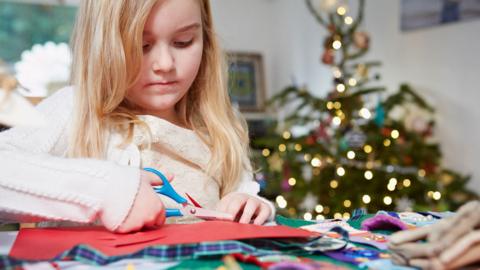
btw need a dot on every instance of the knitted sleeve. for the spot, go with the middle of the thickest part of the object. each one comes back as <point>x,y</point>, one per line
<point>38,183</point>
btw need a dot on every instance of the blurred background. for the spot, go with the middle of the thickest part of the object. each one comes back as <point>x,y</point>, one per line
<point>350,103</point>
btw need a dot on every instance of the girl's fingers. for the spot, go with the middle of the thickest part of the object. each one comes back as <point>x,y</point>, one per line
<point>263,214</point>
<point>235,206</point>
<point>250,208</point>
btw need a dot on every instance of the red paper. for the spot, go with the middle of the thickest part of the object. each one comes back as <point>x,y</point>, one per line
<point>46,243</point>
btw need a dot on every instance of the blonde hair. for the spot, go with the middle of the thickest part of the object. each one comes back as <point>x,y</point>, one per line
<point>107,55</point>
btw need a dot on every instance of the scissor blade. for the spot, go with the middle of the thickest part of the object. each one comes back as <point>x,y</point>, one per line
<point>206,214</point>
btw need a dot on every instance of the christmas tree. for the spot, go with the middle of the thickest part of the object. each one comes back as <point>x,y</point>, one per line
<point>336,153</point>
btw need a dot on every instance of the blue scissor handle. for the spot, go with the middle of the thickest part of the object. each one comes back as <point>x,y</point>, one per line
<point>172,212</point>
<point>167,190</point>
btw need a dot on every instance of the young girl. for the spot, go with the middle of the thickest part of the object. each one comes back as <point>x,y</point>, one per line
<point>148,91</point>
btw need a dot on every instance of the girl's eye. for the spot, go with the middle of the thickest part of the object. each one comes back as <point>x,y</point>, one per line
<point>146,47</point>
<point>183,44</point>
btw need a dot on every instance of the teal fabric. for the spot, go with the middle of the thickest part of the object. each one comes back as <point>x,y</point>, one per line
<point>290,222</point>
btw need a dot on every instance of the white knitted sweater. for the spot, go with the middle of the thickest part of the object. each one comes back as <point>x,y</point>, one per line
<point>38,182</point>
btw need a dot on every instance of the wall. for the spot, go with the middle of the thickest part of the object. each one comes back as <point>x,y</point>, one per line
<point>442,63</point>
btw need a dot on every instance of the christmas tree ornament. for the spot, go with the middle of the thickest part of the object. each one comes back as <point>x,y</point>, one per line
<point>362,71</point>
<point>379,115</point>
<point>355,138</point>
<point>275,162</point>
<point>328,56</point>
<point>286,187</point>
<point>325,6</point>
<point>361,40</point>
<point>397,113</point>
<point>307,173</point>
<point>309,202</point>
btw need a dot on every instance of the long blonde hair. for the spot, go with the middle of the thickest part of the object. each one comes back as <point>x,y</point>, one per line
<point>107,55</point>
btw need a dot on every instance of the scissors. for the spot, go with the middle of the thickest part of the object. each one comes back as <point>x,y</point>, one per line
<point>186,208</point>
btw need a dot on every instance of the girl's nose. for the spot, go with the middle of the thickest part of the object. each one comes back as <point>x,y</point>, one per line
<point>163,61</point>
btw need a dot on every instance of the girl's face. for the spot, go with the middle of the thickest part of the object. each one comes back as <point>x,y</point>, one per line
<point>172,53</point>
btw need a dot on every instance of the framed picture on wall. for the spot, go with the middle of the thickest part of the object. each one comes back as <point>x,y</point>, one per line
<point>426,13</point>
<point>246,82</point>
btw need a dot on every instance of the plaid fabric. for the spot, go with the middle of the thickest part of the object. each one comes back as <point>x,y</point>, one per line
<point>358,213</point>
<point>159,253</point>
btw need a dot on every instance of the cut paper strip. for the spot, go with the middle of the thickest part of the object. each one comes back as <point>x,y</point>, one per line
<point>326,226</point>
<point>47,243</point>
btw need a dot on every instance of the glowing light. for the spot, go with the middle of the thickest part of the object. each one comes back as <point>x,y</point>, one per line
<point>319,208</point>
<point>307,216</point>
<point>337,105</point>
<point>337,73</point>
<point>395,134</point>
<point>366,199</point>
<point>316,162</point>
<point>329,105</point>
<point>437,195</point>
<point>337,215</point>
<point>340,171</point>
<point>387,142</point>
<point>341,87</point>
<point>337,44</point>
<point>352,82</point>
<point>320,217</point>
<point>307,157</point>
<point>287,135</point>
<point>406,182</point>
<point>348,20</point>
<point>393,181</point>
<point>334,184</point>
<point>346,215</point>
<point>341,10</point>
<point>365,113</point>
<point>387,200</point>
<point>350,155</point>
<point>266,152</point>
<point>422,173</point>
<point>430,194</point>
<point>281,202</point>
<point>282,147</point>
<point>336,121</point>
<point>292,181</point>
<point>368,149</point>
<point>347,203</point>
<point>368,175</point>
<point>391,187</point>
<point>298,147</point>
<point>340,114</point>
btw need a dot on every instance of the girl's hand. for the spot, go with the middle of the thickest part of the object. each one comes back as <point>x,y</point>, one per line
<point>245,208</point>
<point>147,210</point>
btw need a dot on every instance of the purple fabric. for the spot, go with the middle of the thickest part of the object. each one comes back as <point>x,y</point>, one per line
<point>356,255</point>
<point>383,222</point>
